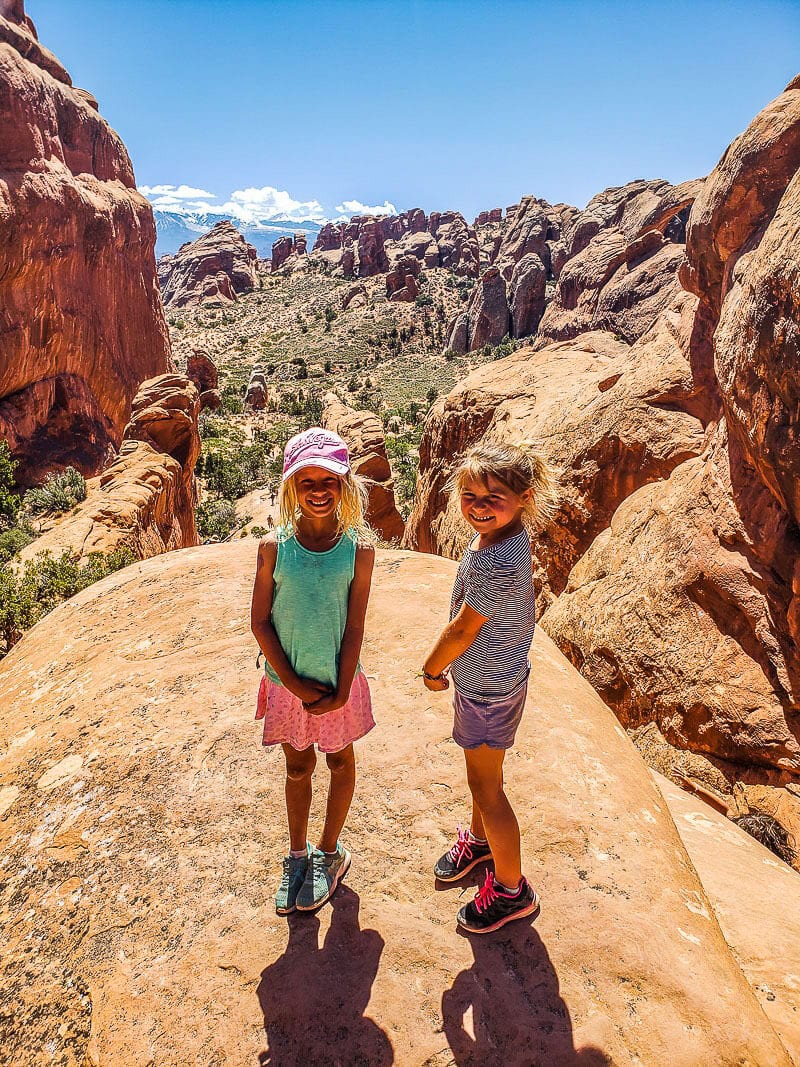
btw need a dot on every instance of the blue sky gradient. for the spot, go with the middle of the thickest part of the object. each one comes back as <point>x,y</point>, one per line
<point>430,103</point>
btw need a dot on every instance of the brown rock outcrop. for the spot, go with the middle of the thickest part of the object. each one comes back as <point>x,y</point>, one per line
<point>606,416</point>
<point>202,370</point>
<point>284,250</point>
<point>363,432</point>
<point>369,245</point>
<point>80,314</point>
<point>701,573</point>
<point>401,281</point>
<point>142,826</point>
<point>218,266</point>
<point>257,393</point>
<point>510,297</point>
<point>621,260</point>
<point>145,500</point>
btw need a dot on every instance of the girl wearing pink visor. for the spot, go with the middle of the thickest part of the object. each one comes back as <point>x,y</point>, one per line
<point>309,602</point>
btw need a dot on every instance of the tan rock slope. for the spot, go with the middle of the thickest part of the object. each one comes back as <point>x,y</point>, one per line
<point>142,823</point>
<point>80,313</point>
<point>215,268</point>
<point>145,500</point>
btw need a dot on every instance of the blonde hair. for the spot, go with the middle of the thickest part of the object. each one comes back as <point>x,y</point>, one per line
<point>519,467</point>
<point>350,514</point>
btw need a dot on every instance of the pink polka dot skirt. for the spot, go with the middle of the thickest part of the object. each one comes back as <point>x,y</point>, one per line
<point>286,721</point>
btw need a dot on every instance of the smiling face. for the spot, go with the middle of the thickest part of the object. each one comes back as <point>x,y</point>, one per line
<point>492,508</point>
<point>318,492</point>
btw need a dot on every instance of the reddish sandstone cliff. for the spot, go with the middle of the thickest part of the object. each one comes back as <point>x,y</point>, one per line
<point>80,313</point>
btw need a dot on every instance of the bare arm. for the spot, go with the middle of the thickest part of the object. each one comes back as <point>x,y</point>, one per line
<point>260,623</point>
<point>454,640</point>
<point>353,632</point>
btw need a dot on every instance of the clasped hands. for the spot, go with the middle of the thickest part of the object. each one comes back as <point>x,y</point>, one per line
<point>318,699</point>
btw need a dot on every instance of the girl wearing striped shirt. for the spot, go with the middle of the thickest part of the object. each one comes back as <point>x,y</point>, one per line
<point>486,646</point>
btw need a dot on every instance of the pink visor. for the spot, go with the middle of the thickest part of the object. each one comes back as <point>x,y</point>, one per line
<point>315,448</point>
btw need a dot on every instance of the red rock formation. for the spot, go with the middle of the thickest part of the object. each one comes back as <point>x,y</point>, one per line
<point>283,250</point>
<point>202,370</point>
<point>692,594</point>
<point>620,262</point>
<point>401,281</point>
<point>369,245</point>
<point>218,266</point>
<point>80,314</point>
<point>145,499</point>
<point>363,432</point>
<point>257,394</point>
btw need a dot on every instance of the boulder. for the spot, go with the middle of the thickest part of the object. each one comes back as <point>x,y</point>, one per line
<point>143,825</point>
<point>355,297</point>
<point>145,499</point>
<point>217,267</point>
<point>202,370</point>
<point>80,313</point>
<point>289,254</point>
<point>257,394</point>
<point>363,432</point>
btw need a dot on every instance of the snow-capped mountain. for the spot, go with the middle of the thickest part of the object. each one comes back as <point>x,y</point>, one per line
<point>175,228</point>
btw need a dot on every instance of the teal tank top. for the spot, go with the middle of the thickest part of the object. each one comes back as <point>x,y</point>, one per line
<point>309,606</point>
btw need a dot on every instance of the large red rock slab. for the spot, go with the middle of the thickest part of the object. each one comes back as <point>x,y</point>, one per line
<point>756,900</point>
<point>672,617</point>
<point>219,266</point>
<point>363,433</point>
<point>80,312</point>
<point>142,828</point>
<point>608,417</point>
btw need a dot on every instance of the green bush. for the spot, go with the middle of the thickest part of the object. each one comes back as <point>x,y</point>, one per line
<point>231,400</point>
<point>216,518</point>
<point>14,540</point>
<point>424,301</point>
<point>27,596</point>
<point>9,499</point>
<point>59,492</point>
<point>232,475</point>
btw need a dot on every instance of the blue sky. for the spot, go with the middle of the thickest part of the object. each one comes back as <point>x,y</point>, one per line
<point>431,103</point>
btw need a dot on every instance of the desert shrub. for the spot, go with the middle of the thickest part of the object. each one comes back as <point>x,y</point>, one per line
<point>216,518</point>
<point>14,540</point>
<point>59,492</point>
<point>231,475</point>
<point>766,829</point>
<point>231,400</point>
<point>431,395</point>
<point>258,531</point>
<point>424,301</point>
<point>9,499</point>
<point>328,366</point>
<point>28,595</point>
<point>209,427</point>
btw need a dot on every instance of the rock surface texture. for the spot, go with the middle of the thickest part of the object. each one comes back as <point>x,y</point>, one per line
<point>142,829</point>
<point>685,610</point>
<point>145,500</point>
<point>217,267</point>
<point>363,432</point>
<point>80,314</point>
<point>369,245</point>
<point>202,370</point>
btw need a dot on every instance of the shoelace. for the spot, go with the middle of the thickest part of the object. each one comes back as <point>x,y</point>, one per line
<point>487,894</point>
<point>461,848</point>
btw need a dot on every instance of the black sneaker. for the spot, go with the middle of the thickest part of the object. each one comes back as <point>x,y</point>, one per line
<point>461,858</point>
<point>493,908</point>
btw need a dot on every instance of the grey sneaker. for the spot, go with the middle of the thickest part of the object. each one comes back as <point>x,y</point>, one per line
<point>294,874</point>
<point>323,875</point>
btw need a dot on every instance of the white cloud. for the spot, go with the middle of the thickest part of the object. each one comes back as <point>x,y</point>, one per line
<point>250,205</point>
<point>176,192</point>
<point>355,207</point>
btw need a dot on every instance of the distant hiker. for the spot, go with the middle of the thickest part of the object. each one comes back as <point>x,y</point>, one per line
<point>309,601</point>
<point>486,646</point>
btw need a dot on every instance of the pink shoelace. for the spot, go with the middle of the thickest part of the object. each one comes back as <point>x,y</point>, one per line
<point>462,847</point>
<point>487,894</point>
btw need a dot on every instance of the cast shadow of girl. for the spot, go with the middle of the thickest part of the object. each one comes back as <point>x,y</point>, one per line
<point>511,993</point>
<point>314,997</point>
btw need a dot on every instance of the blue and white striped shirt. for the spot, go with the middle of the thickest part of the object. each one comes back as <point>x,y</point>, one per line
<point>496,581</point>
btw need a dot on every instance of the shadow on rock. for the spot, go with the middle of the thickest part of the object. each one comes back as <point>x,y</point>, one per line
<point>314,997</point>
<point>507,1008</point>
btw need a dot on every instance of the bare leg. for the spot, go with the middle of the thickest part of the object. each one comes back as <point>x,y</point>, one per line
<point>342,766</point>
<point>485,780</point>
<point>299,768</point>
<point>476,826</point>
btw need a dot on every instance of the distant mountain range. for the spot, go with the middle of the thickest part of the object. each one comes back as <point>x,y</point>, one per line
<point>176,228</point>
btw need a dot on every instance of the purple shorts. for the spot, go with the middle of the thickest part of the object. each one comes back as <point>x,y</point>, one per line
<point>488,722</point>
